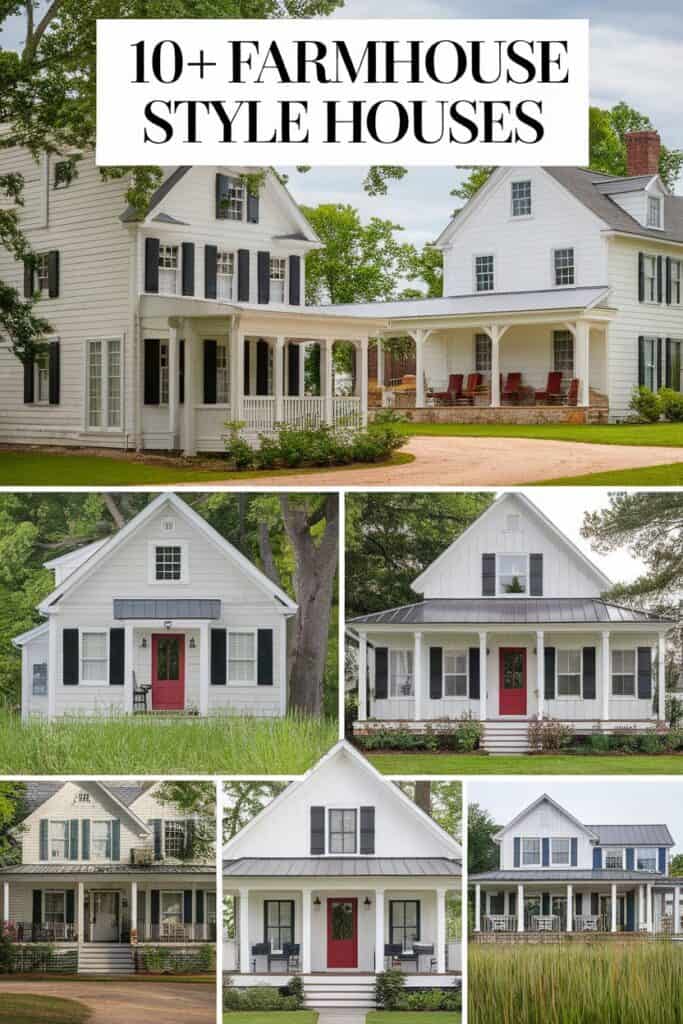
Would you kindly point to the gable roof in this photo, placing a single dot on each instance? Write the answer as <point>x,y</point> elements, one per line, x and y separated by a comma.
<point>78,555</point>
<point>545,799</point>
<point>119,538</point>
<point>341,749</point>
<point>534,512</point>
<point>123,795</point>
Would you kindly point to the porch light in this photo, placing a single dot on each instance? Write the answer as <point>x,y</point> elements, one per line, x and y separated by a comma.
<point>317,903</point>
<point>367,902</point>
<point>167,624</point>
<point>143,642</point>
<point>193,643</point>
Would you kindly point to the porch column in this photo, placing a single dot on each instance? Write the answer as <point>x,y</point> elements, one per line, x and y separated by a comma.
<point>570,908</point>
<point>661,678</point>
<point>306,907</point>
<point>133,906</point>
<point>641,907</point>
<point>417,675</point>
<point>582,344</point>
<point>6,916</point>
<point>540,669</point>
<point>441,931</point>
<point>80,913</point>
<point>677,909</point>
<point>189,447</point>
<point>520,908</point>
<point>613,906</point>
<point>477,907</point>
<point>483,659</point>
<point>245,951</point>
<point>302,368</point>
<point>494,334</point>
<point>419,336</point>
<point>649,908</point>
<point>279,378</point>
<point>204,672</point>
<point>173,325</point>
<point>52,666</point>
<point>327,360</point>
<point>362,678</point>
<point>379,931</point>
<point>604,676</point>
<point>364,343</point>
<point>129,662</point>
<point>237,370</point>
<point>380,363</point>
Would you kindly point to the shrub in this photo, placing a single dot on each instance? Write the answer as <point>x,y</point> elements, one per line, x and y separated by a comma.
<point>239,451</point>
<point>6,954</point>
<point>463,736</point>
<point>389,987</point>
<point>547,735</point>
<point>674,710</point>
<point>599,743</point>
<point>673,739</point>
<point>296,990</point>
<point>672,405</point>
<point>260,998</point>
<point>625,743</point>
<point>292,447</point>
<point>468,733</point>
<point>646,405</point>
<point>432,999</point>
<point>650,743</point>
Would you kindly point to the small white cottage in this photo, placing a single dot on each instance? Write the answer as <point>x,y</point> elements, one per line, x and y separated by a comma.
<point>510,625</point>
<point>163,616</point>
<point>339,878</point>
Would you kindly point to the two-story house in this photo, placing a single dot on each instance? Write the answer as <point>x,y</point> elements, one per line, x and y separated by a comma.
<point>107,869</point>
<point>337,879</point>
<point>557,874</point>
<point>510,625</point>
<point>163,616</point>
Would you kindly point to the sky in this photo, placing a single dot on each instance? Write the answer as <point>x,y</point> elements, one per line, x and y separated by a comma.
<point>594,801</point>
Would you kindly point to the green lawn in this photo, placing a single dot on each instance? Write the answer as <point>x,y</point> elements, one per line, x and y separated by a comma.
<point>29,1009</point>
<point>670,475</point>
<point>178,979</point>
<point>528,764</point>
<point>666,434</point>
<point>127,745</point>
<point>268,1017</point>
<point>412,1017</point>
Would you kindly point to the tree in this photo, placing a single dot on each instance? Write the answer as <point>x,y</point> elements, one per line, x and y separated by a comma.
<point>676,865</point>
<point>392,537</point>
<point>442,801</point>
<point>482,852</point>
<point>12,813</point>
<point>242,801</point>
<point>198,801</point>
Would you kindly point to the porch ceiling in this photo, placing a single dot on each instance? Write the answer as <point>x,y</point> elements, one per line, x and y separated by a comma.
<point>567,875</point>
<point>509,611</point>
<point>317,867</point>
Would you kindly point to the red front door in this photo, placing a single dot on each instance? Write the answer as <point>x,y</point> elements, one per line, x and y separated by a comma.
<point>168,672</point>
<point>512,681</point>
<point>342,933</point>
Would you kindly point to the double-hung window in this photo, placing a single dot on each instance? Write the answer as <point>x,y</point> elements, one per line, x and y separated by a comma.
<point>171,909</point>
<point>100,840</point>
<point>54,907</point>
<point>94,657</point>
<point>103,383</point>
<point>168,269</point>
<point>242,656</point>
<point>235,202</point>
<point>278,272</point>
<point>279,915</point>
<point>343,831</point>
<point>623,673</point>
<point>175,839</point>
<point>59,840</point>
<point>42,273</point>
<point>650,354</point>
<point>483,273</point>
<point>482,353</point>
<point>404,923</point>
<point>560,852</point>
<point>400,673</point>
<point>614,859</point>
<point>563,265</point>
<point>225,275</point>
<point>163,373</point>
<point>654,212</point>
<point>222,374</point>
<point>569,673</point>
<point>563,352</point>
<point>675,281</point>
<point>512,574</point>
<point>168,563</point>
<point>39,679</point>
<point>650,278</point>
<point>646,858</point>
<point>521,198</point>
<point>531,852</point>
<point>455,673</point>
<point>42,377</point>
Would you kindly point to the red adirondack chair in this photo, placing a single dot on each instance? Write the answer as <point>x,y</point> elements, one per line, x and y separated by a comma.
<point>553,388</point>
<point>512,389</point>
<point>453,391</point>
<point>573,392</point>
<point>470,389</point>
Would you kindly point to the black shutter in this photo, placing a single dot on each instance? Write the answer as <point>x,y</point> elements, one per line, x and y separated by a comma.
<point>262,358</point>
<point>317,831</point>
<point>667,362</point>
<point>29,382</point>
<point>516,846</point>
<point>156,828</point>
<point>641,361</point>
<point>367,831</point>
<point>71,907</point>
<point>252,208</point>
<point>53,274</point>
<point>549,676</point>
<point>641,277</point>
<point>667,280</point>
<point>199,906</point>
<point>545,903</point>
<point>589,673</point>
<point>381,673</point>
<point>295,280</point>
<point>152,370</point>
<point>219,662</point>
<point>117,656</point>
<point>154,906</point>
<point>187,906</point>
<point>210,349</point>
<point>659,363</point>
<point>70,657</point>
<point>187,268</point>
<point>536,575</point>
<point>37,906</point>
<point>222,189</point>
<point>659,279</point>
<point>595,903</point>
<point>293,357</point>
<point>28,278</point>
<point>488,575</point>
<point>263,264</point>
<point>151,264</point>
<point>54,371</point>
<point>436,673</point>
<point>644,673</point>
<point>264,657</point>
<point>243,275</point>
<point>210,271</point>
<point>181,371</point>
<point>247,367</point>
<point>475,673</point>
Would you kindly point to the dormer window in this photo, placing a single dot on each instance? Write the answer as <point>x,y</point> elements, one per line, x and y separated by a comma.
<point>521,198</point>
<point>531,853</point>
<point>343,831</point>
<point>512,574</point>
<point>654,212</point>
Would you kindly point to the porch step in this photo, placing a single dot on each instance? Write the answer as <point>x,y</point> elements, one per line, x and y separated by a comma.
<point>339,991</point>
<point>505,737</point>
<point>104,958</point>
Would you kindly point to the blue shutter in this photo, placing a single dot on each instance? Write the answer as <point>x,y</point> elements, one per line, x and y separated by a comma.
<point>630,859</point>
<point>74,829</point>
<point>574,852</point>
<point>156,827</point>
<point>43,839</point>
<point>116,840</point>
<point>545,846</point>
<point>630,912</point>
<point>518,851</point>
<point>85,839</point>
<point>597,857</point>
<point>662,860</point>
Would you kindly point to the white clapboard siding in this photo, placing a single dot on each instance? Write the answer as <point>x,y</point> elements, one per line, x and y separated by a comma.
<point>546,820</point>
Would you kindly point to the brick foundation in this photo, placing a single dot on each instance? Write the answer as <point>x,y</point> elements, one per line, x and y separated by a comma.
<point>522,414</point>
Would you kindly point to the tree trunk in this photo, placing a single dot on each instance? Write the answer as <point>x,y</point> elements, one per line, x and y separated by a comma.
<point>314,574</point>
<point>114,510</point>
<point>423,796</point>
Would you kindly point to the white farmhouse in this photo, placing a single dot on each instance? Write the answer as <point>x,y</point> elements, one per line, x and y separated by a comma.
<point>341,877</point>
<point>558,875</point>
<point>106,871</point>
<point>511,626</point>
<point>163,616</point>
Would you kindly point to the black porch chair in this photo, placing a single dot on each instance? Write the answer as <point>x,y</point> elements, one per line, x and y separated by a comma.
<point>260,949</point>
<point>140,694</point>
<point>392,952</point>
<point>290,957</point>
<point>419,949</point>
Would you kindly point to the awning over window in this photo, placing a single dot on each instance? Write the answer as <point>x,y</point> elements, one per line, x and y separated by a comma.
<point>167,608</point>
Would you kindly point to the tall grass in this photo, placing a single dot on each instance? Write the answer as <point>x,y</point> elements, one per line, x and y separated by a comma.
<point>227,745</point>
<point>581,983</point>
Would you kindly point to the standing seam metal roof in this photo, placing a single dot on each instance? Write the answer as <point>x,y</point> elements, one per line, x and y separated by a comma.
<point>352,867</point>
<point>445,611</point>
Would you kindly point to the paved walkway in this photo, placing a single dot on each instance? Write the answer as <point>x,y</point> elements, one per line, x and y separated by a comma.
<point>482,461</point>
<point>341,1017</point>
<point>134,1002</point>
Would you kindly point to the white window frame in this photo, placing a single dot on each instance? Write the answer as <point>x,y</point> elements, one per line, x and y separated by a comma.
<point>107,855</point>
<point>650,280</point>
<point>222,256</point>
<point>568,696</point>
<point>562,337</point>
<point>356,831</point>
<point>480,275</point>
<point>649,849</point>
<point>34,666</point>
<point>511,554</point>
<point>278,264</point>
<point>89,631</point>
<point>614,851</point>
<point>42,274</point>
<point>164,373</point>
<point>169,252</point>
<point>482,340</point>
<point>163,542</point>
<point>103,427</point>
<point>41,370</point>
<point>612,673</point>
<point>566,267</point>
<point>560,863</point>
<point>222,373</point>
<point>248,631</point>
<point>67,839</point>
<point>43,912</point>
<point>453,652</point>
<point>171,892</point>
<point>409,675</point>
<point>176,823</point>
<point>529,863</point>
<point>528,213</point>
<point>655,203</point>
<point>236,202</point>
<point>676,282</point>
<point>650,354</point>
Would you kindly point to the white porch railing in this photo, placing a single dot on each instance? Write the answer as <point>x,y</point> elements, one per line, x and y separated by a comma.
<point>346,411</point>
<point>303,411</point>
<point>259,413</point>
<point>499,923</point>
<point>544,923</point>
<point>590,923</point>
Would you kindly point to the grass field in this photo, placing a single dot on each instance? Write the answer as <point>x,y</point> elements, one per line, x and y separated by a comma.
<point>665,434</point>
<point>590,983</point>
<point>127,745</point>
<point>133,979</point>
<point>412,1017</point>
<point>29,1009</point>
<point>670,475</point>
<point>527,764</point>
<point>267,1017</point>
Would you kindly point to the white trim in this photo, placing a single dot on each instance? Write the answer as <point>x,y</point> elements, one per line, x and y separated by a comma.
<point>544,798</point>
<point>162,542</point>
<point>252,631</point>
<point>530,839</point>
<point>90,631</point>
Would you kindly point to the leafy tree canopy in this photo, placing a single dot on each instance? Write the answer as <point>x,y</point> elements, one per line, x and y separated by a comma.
<point>242,801</point>
<point>12,813</point>
<point>676,865</point>
<point>482,852</point>
<point>196,800</point>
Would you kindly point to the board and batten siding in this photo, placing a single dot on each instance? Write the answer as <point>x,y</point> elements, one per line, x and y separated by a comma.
<point>82,223</point>
<point>545,820</point>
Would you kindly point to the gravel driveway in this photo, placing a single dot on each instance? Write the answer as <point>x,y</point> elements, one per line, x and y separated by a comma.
<point>134,1002</point>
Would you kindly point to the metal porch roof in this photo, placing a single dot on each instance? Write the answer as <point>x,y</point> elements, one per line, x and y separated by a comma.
<point>455,611</point>
<point>352,867</point>
<point>41,870</point>
<point>167,608</point>
<point>569,875</point>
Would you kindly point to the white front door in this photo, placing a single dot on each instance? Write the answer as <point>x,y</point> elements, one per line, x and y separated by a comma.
<point>105,921</point>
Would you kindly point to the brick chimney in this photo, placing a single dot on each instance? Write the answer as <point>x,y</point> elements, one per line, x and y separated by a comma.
<point>642,152</point>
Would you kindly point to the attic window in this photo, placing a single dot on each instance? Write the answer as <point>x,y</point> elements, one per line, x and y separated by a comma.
<point>654,212</point>
<point>168,562</point>
<point>234,204</point>
<point>512,573</point>
<point>82,798</point>
<point>521,198</point>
